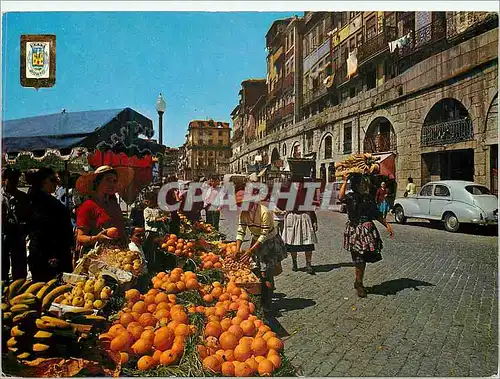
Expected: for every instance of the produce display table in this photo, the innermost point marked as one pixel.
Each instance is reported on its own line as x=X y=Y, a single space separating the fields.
x=198 y=317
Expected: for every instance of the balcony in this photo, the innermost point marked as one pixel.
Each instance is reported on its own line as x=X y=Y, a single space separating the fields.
x=423 y=37
x=278 y=87
x=447 y=132
x=315 y=94
x=288 y=81
x=376 y=45
x=237 y=135
x=380 y=143
x=287 y=109
x=459 y=24
x=341 y=75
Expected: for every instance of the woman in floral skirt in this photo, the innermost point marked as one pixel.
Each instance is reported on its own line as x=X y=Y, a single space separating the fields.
x=361 y=237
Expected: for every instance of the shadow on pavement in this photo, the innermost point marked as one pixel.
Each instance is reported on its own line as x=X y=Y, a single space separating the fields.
x=392 y=287
x=329 y=267
x=491 y=231
x=275 y=325
x=282 y=303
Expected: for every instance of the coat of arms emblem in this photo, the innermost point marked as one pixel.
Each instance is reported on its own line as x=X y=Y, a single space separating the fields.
x=37 y=59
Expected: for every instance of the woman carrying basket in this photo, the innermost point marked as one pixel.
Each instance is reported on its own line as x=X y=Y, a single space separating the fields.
x=267 y=247
x=361 y=237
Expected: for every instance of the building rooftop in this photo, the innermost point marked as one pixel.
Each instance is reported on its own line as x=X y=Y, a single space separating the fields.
x=208 y=124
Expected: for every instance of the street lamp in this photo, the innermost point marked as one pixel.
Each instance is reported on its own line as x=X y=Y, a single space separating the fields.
x=160 y=108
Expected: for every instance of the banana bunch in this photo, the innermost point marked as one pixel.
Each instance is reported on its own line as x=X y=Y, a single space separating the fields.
x=89 y=294
x=358 y=164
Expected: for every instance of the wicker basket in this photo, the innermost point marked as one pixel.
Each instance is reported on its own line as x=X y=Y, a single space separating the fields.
x=251 y=288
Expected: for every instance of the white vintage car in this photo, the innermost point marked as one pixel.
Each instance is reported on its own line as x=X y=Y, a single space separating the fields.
x=449 y=201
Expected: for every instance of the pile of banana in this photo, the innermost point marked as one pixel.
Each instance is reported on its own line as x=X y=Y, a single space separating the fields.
x=358 y=164
x=33 y=332
x=90 y=294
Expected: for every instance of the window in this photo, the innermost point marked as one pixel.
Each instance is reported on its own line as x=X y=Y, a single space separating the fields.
x=441 y=190
x=352 y=44
x=371 y=27
x=348 y=138
x=359 y=39
x=478 y=190
x=426 y=190
x=328 y=147
x=371 y=79
x=352 y=92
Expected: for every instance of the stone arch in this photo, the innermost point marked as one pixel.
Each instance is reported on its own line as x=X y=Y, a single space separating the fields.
x=447 y=121
x=275 y=155
x=380 y=136
x=491 y=121
x=295 y=150
x=322 y=146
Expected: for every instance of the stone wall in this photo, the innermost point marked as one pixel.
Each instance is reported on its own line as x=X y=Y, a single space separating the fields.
x=467 y=72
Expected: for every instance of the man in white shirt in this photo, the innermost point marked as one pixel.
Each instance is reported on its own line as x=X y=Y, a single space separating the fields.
x=411 y=188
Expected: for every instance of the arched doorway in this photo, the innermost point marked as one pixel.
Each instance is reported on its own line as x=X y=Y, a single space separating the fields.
x=380 y=137
x=328 y=147
x=447 y=123
x=491 y=140
x=275 y=155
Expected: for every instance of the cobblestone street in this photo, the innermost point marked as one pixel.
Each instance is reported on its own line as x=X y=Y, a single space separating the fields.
x=431 y=310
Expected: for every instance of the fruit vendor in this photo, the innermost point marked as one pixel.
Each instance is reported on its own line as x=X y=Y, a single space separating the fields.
x=267 y=248
x=99 y=219
x=50 y=229
x=361 y=237
x=155 y=221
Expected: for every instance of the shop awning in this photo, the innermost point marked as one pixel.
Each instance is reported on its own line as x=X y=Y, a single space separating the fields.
x=117 y=129
x=387 y=164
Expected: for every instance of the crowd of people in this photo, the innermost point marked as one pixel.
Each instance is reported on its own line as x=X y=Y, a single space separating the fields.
x=59 y=231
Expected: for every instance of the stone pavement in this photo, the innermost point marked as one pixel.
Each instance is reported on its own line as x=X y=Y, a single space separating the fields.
x=432 y=309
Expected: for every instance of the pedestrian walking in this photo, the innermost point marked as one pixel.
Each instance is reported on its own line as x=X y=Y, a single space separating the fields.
x=381 y=199
x=411 y=188
x=267 y=248
x=50 y=229
x=15 y=217
x=361 y=237
x=300 y=227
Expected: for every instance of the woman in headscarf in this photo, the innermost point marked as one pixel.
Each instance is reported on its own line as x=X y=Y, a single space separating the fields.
x=361 y=237
x=102 y=210
x=267 y=248
x=50 y=228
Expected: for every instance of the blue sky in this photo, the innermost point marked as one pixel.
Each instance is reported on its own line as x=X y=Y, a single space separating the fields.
x=113 y=60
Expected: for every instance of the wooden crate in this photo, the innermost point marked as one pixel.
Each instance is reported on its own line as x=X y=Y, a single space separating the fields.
x=251 y=288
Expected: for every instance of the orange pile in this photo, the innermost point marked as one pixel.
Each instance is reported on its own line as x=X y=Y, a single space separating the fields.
x=209 y=261
x=238 y=346
x=201 y=226
x=152 y=327
x=228 y=249
x=178 y=246
x=175 y=282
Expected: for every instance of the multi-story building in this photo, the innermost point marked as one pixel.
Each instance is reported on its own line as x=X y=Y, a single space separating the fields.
x=419 y=89
x=171 y=161
x=247 y=119
x=207 y=149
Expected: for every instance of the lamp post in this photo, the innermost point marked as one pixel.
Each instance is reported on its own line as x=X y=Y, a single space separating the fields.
x=160 y=108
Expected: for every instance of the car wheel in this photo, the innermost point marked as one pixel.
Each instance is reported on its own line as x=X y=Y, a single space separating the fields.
x=451 y=223
x=399 y=215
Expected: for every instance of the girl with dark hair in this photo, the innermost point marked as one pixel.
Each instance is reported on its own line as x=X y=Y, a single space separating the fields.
x=50 y=229
x=102 y=210
x=361 y=237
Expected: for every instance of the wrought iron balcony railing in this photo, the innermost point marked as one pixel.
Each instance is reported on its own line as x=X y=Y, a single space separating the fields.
x=447 y=132
x=315 y=94
x=421 y=38
x=341 y=75
x=460 y=23
x=376 y=45
x=380 y=143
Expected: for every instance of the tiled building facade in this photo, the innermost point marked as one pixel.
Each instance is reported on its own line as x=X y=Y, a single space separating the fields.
x=418 y=88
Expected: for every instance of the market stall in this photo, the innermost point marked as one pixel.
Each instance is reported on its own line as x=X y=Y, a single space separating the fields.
x=109 y=318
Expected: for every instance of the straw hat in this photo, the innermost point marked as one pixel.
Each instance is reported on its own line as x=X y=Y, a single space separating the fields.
x=85 y=183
